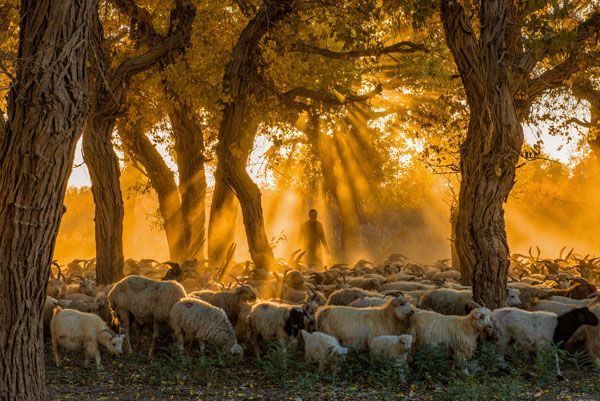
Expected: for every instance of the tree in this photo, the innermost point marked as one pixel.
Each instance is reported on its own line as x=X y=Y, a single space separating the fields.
x=109 y=86
x=499 y=75
x=47 y=107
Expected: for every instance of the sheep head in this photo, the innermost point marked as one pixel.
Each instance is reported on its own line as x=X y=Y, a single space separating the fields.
x=402 y=307
x=111 y=341
x=481 y=318
x=245 y=293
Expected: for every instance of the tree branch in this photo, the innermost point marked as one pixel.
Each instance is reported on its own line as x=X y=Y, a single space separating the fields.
x=142 y=29
x=336 y=99
x=400 y=47
x=575 y=120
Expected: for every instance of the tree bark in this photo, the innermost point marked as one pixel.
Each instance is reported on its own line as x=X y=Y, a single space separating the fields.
x=189 y=148
x=47 y=108
x=103 y=165
x=162 y=179
x=490 y=151
x=110 y=95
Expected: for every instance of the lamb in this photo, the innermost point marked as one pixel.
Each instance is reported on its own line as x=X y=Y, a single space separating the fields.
x=459 y=334
x=230 y=301
x=348 y=295
x=355 y=327
x=192 y=319
x=76 y=330
x=534 y=330
x=147 y=301
x=324 y=349
x=270 y=321
x=393 y=347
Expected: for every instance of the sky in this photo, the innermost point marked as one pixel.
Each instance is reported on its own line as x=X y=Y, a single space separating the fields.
x=556 y=146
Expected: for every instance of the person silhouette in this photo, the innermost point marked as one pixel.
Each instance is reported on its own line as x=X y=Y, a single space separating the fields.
x=312 y=236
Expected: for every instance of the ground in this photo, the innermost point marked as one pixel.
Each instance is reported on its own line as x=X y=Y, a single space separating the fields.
x=282 y=375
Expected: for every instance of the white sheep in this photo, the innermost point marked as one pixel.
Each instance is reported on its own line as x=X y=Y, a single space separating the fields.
x=76 y=330
x=270 y=321
x=458 y=334
x=355 y=327
x=324 y=349
x=393 y=347
x=192 y=319
x=535 y=330
x=147 y=301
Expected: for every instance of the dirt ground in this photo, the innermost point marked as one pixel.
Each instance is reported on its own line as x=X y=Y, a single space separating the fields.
x=222 y=377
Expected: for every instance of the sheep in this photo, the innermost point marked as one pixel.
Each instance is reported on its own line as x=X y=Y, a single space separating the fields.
x=76 y=330
x=56 y=285
x=84 y=286
x=147 y=301
x=551 y=306
x=580 y=290
x=447 y=275
x=270 y=321
x=592 y=334
x=48 y=311
x=404 y=286
x=534 y=330
x=456 y=302
x=394 y=347
x=357 y=327
x=348 y=295
x=231 y=301
x=324 y=349
x=366 y=283
x=459 y=334
x=367 y=302
x=571 y=301
x=192 y=319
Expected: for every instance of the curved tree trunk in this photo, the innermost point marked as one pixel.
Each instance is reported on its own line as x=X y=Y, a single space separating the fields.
x=238 y=82
x=47 y=108
x=490 y=151
x=189 y=147
x=103 y=165
x=162 y=179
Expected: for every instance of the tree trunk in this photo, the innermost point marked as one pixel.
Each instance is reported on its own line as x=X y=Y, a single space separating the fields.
x=221 y=225
x=47 y=107
x=163 y=181
x=490 y=151
x=103 y=165
x=189 y=147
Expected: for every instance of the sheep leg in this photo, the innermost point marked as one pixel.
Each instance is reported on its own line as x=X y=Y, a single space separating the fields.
x=559 y=375
x=55 y=351
x=202 y=346
x=179 y=340
x=155 y=330
x=124 y=317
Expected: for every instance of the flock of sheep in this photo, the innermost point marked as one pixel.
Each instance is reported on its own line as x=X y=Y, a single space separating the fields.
x=389 y=309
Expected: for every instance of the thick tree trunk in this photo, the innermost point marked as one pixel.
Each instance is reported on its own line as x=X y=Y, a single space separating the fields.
x=163 y=181
x=189 y=147
x=221 y=226
x=490 y=151
x=47 y=107
x=103 y=165
x=238 y=81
